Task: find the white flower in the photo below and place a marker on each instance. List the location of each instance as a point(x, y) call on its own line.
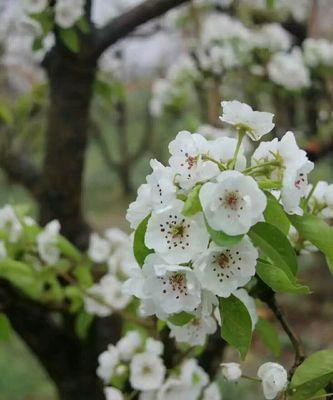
point(289, 70)
point(34, 6)
point(193, 375)
point(272, 37)
point(212, 392)
point(10, 223)
point(107, 362)
point(106, 295)
point(222, 270)
point(233, 204)
point(318, 52)
point(112, 393)
point(231, 371)
point(67, 13)
point(303, 246)
point(294, 187)
point(148, 395)
point(129, 344)
point(3, 250)
point(176, 238)
point(173, 288)
point(154, 346)
point(195, 331)
point(274, 379)
point(156, 194)
point(328, 212)
point(99, 248)
point(116, 237)
point(249, 303)
point(47, 243)
point(223, 150)
point(255, 123)
point(187, 159)
point(147, 371)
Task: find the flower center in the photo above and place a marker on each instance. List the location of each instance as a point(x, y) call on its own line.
point(300, 181)
point(146, 370)
point(177, 282)
point(177, 231)
point(191, 161)
point(223, 261)
point(231, 200)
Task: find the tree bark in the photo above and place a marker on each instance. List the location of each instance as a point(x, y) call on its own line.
point(71, 81)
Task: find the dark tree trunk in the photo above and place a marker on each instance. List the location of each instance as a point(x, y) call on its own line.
point(71, 81)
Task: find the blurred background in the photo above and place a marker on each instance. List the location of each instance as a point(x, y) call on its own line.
point(170, 75)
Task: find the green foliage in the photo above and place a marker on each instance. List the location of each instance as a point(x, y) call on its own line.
point(181, 318)
point(5, 328)
point(236, 324)
point(269, 336)
point(192, 204)
point(314, 229)
point(83, 322)
point(312, 375)
point(68, 249)
point(83, 25)
point(278, 280)
point(6, 114)
point(70, 38)
point(141, 251)
point(275, 215)
point(222, 239)
point(275, 246)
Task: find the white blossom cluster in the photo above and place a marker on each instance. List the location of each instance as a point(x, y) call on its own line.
point(318, 52)
point(115, 250)
point(187, 271)
point(273, 376)
point(140, 361)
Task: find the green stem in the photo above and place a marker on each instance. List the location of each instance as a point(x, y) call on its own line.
point(219, 164)
point(263, 165)
point(310, 194)
point(251, 378)
point(241, 134)
point(322, 396)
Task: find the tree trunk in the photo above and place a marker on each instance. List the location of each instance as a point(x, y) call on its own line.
point(71, 81)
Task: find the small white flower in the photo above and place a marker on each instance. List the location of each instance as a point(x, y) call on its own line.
point(231, 371)
point(106, 295)
point(3, 250)
point(195, 331)
point(139, 208)
point(112, 393)
point(321, 200)
point(47, 243)
point(116, 237)
point(255, 123)
point(289, 70)
point(67, 13)
point(222, 270)
point(274, 379)
point(212, 392)
point(154, 346)
point(29, 221)
point(107, 362)
point(99, 248)
point(318, 52)
point(272, 37)
point(303, 246)
point(233, 204)
point(147, 371)
point(173, 288)
point(176, 238)
point(187, 159)
point(34, 6)
point(10, 223)
point(223, 150)
point(249, 303)
point(129, 344)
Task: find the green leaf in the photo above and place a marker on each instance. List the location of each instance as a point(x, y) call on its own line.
point(5, 327)
point(181, 318)
point(222, 239)
point(317, 231)
point(275, 215)
point(68, 249)
point(37, 44)
point(83, 322)
point(275, 246)
point(45, 20)
point(71, 39)
point(236, 324)
point(269, 335)
point(270, 3)
point(84, 276)
point(192, 204)
point(278, 280)
point(6, 114)
point(83, 25)
point(141, 251)
point(312, 375)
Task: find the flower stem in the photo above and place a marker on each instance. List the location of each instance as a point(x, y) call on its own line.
point(310, 194)
point(249, 170)
point(219, 164)
point(321, 396)
point(251, 378)
point(241, 134)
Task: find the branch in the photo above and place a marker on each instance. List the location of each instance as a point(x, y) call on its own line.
point(127, 22)
point(295, 342)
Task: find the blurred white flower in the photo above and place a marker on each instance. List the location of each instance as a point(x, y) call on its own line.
point(129, 344)
point(154, 346)
point(3, 250)
point(146, 371)
point(47, 243)
point(274, 379)
point(112, 393)
point(107, 362)
point(35, 6)
point(318, 52)
point(10, 223)
point(231, 371)
point(99, 248)
point(212, 392)
point(67, 13)
point(255, 123)
point(272, 37)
